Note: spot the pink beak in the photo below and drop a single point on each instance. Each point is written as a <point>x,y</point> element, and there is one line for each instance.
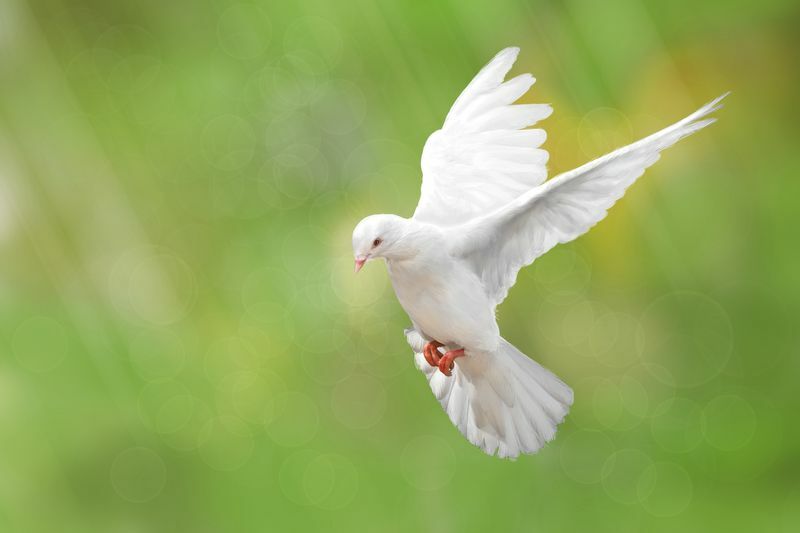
<point>360,263</point>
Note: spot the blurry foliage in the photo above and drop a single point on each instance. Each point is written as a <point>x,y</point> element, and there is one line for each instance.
<point>185,348</point>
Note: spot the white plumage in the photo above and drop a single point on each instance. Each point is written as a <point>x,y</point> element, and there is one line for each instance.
<point>485,211</point>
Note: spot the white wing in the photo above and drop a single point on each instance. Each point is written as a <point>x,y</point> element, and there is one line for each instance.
<point>482,158</point>
<point>500,243</point>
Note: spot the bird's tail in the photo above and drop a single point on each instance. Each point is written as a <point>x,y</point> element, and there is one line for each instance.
<point>503,402</point>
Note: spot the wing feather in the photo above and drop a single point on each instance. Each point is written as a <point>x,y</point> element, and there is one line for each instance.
<point>500,243</point>
<point>482,157</point>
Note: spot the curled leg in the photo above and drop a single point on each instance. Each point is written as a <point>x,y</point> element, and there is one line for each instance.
<point>446,363</point>
<point>431,352</point>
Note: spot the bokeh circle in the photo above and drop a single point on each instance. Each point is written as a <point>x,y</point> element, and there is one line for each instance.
<point>138,474</point>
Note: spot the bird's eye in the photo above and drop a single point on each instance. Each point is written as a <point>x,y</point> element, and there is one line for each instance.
<point>376,243</point>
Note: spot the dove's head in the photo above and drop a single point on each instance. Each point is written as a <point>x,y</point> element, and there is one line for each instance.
<point>378,236</point>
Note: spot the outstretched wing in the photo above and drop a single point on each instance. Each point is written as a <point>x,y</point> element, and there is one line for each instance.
<point>500,243</point>
<point>482,158</point>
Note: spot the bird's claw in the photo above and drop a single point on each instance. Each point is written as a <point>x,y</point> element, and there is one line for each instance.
<point>431,352</point>
<point>446,362</point>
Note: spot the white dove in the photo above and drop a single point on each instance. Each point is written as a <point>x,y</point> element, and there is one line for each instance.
<point>485,211</point>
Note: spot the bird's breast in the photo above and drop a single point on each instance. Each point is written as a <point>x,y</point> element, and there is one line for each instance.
<point>447,301</point>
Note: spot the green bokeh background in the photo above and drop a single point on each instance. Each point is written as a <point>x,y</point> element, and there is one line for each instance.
<point>184,347</point>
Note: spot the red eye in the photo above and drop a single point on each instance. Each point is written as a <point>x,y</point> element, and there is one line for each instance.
<point>376,243</point>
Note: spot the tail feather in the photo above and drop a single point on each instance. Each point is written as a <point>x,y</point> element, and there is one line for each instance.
<point>503,402</point>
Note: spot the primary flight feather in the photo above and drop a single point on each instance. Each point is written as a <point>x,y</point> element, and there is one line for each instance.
<point>485,211</point>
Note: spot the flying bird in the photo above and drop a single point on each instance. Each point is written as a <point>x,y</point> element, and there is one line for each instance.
<point>485,211</point>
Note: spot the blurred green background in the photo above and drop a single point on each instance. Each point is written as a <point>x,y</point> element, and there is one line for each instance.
<point>184,346</point>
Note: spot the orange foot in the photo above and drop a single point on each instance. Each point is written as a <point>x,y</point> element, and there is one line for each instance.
<point>431,352</point>
<point>446,362</point>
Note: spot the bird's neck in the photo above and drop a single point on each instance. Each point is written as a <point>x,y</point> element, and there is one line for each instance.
<point>414,238</point>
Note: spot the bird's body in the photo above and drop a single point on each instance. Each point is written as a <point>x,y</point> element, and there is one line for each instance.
<point>443,297</point>
<point>486,211</point>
